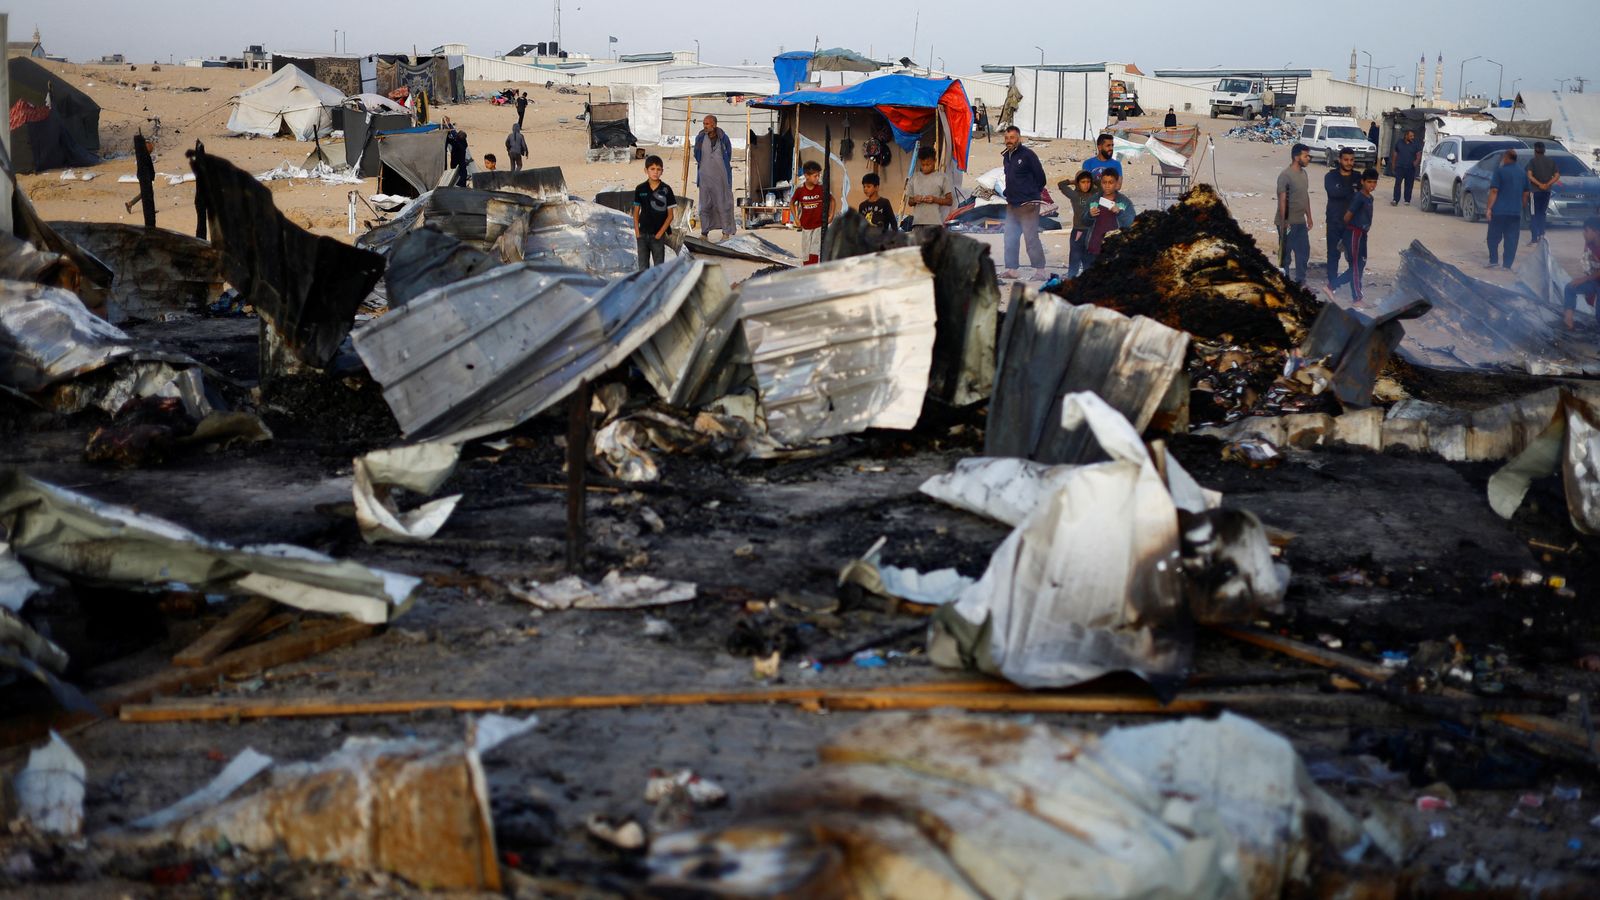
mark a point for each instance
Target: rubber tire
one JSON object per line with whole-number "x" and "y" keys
{"x": 1249, "y": 114}
{"x": 1469, "y": 208}
{"x": 1455, "y": 198}
{"x": 1425, "y": 203}
{"x": 1213, "y": 112}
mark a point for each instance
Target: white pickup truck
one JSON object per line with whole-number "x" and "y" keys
{"x": 1255, "y": 95}
{"x": 1327, "y": 135}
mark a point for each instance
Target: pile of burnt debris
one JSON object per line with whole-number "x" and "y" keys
{"x": 1107, "y": 452}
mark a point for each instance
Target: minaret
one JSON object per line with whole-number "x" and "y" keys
{"x": 1354, "y": 75}
{"x": 1422, "y": 74}
{"x": 1438, "y": 81}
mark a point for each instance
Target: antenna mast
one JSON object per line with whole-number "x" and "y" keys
{"x": 555, "y": 25}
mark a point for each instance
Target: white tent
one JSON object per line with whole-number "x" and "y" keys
{"x": 656, "y": 112}
{"x": 374, "y": 103}
{"x": 1059, "y": 101}
{"x": 1574, "y": 118}
{"x": 286, "y": 102}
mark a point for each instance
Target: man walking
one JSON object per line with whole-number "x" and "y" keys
{"x": 1542, "y": 176}
{"x": 1294, "y": 212}
{"x": 1341, "y": 185}
{"x": 713, "y": 159}
{"x": 1403, "y": 163}
{"x": 457, "y": 144}
{"x": 1024, "y": 192}
{"x": 516, "y": 147}
{"x": 522, "y": 110}
{"x": 1508, "y": 193}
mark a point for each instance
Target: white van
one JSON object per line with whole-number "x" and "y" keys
{"x": 1327, "y": 135}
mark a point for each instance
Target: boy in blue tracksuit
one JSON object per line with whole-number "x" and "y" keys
{"x": 1358, "y": 222}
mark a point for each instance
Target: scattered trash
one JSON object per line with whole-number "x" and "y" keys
{"x": 615, "y": 591}
{"x": 702, "y": 791}
{"x": 1570, "y": 444}
{"x": 419, "y": 468}
{"x": 931, "y": 588}
{"x": 627, "y": 835}
{"x": 1267, "y": 131}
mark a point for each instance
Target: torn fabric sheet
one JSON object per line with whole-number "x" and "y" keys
{"x": 421, "y": 469}
{"x": 16, "y": 585}
{"x": 841, "y": 347}
{"x": 50, "y": 788}
{"x": 934, "y": 588}
{"x": 247, "y": 765}
{"x": 102, "y": 542}
{"x": 615, "y": 591}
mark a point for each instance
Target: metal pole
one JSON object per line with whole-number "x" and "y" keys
{"x": 577, "y": 476}
{"x": 5, "y": 133}
{"x": 1462, "y": 73}
{"x": 1499, "y": 86}
{"x": 688, "y": 122}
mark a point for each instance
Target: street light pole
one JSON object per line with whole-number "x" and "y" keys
{"x": 1461, "y": 91}
{"x": 697, "y": 51}
{"x": 1499, "y": 85}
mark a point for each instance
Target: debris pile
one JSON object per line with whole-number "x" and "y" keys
{"x": 1268, "y": 131}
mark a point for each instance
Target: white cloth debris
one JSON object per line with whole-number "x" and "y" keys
{"x": 615, "y": 591}
{"x": 50, "y": 789}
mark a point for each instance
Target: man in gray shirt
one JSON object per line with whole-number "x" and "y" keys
{"x": 1294, "y": 213}
{"x": 1542, "y": 176}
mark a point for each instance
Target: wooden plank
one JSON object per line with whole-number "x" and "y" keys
{"x": 223, "y": 635}
{"x": 1542, "y": 726}
{"x": 980, "y": 696}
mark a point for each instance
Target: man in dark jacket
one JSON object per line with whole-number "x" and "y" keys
{"x": 1024, "y": 193}
{"x": 522, "y": 107}
{"x": 1171, "y": 121}
{"x": 516, "y": 147}
{"x": 456, "y": 142}
{"x": 1340, "y": 184}
{"x": 1403, "y": 165}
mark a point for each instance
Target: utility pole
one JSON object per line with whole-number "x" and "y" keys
{"x": 1461, "y": 85}
{"x": 555, "y": 25}
{"x": 1499, "y": 86}
{"x": 1581, "y": 82}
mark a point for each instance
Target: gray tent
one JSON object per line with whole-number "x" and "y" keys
{"x": 407, "y": 161}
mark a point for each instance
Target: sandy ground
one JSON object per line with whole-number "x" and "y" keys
{"x": 1417, "y": 531}
{"x": 191, "y": 104}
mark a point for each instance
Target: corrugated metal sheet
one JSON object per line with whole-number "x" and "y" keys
{"x": 1050, "y": 349}
{"x": 486, "y": 353}
{"x": 841, "y": 347}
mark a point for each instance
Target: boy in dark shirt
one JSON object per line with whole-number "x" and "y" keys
{"x": 876, "y": 209}
{"x": 806, "y": 204}
{"x": 654, "y": 205}
{"x": 1358, "y": 222}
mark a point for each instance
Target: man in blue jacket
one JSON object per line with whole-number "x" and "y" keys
{"x": 1341, "y": 184}
{"x": 1024, "y": 195}
{"x": 1508, "y": 194}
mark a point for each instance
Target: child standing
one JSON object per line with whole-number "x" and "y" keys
{"x": 876, "y": 209}
{"x": 927, "y": 193}
{"x": 654, "y": 205}
{"x": 807, "y": 206}
{"x": 1588, "y": 284}
{"x": 1111, "y": 212}
{"x": 1358, "y": 222}
{"x": 1081, "y": 194}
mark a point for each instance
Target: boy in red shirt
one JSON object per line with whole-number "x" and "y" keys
{"x": 807, "y": 205}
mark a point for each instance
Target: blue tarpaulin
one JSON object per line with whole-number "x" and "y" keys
{"x": 791, "y": 69}
{"x": 418, "y": 129}
{"x": 907, "y": 101}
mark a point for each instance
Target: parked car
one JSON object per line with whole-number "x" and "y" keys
{"x": 1327, "y": 135}
{"x": 1575, "y": 197}
{"x": 1443, "y": 168}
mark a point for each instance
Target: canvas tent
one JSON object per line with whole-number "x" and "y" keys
{"x": 411, "y": 161}
{"x": 1574, "y": 119}
{"x": 53, "y": 124}
{"x": 1060, "y": 101}
{"x": 796, "y": 67}
{"x": 286, "y": 102}
{"x": 361, "y": 145}
{"x": 659, "y": 113}
{"x": 911, "y": 111}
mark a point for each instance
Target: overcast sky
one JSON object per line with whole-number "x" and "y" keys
{"x": 1537, "y": 43}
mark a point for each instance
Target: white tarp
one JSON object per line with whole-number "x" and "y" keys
{"x": 287, "y": 101}
{"x": 1061, "y": 104}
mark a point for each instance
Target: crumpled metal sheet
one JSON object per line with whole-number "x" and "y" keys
{"x": 1080, "y": 587}
{"x": 961, "y": 806}
{"x": 841, "y": 347}
{"x": 472, "y": 216}
{"x": 22, "y": 261}
{"x": 1357, "y": 347}
{"x": 1050, "y": 349}
{"x": 416, "y": 808}
{"x": 110, "y": 544}
{"x": 157, "y": 272}
{"x": 744, "y": 245}
{"x": 579, "y": 234}
{"x": 539, "y": 182}
{"x": 1569, "y": 444}
{"x": 501, "y": 347}
{"x": 967, "y": 299}
{"x": 306, "y": 287}
{"x": 426, "y": 258}
{"x": 419, "y": 468}
{"x": 685, "y": 360}
{"x": 1481, "y": 325}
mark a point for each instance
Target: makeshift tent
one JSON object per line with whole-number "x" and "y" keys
{"x": 905, "y": 110}
{"x": 1060, "y": 101}
{"x": 795, "y": 67}
{"x": 441, "y": 78}
{"x": 373, "y": 103}
{"x": 411, "y": 160}
{"x": 361, "y": 130}
{"x": 53, "y": 124}
{"x": 286, "y": 102}
{"x": 657, "y": 113}
{"x": 343, "y": 71}
{"x": 1575, "y": 119}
